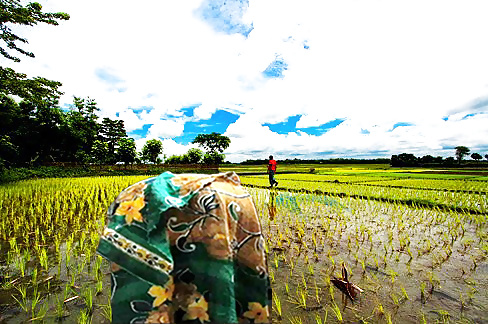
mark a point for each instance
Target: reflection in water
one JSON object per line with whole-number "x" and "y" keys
{"x": 272, "y": 204}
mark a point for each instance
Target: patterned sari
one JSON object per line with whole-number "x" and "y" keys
{"x": 186, "y": 248}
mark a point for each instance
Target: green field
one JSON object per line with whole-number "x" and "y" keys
{"x": 414, "y": 240}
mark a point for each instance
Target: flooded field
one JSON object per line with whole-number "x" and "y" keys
{"x": 413, "y": 263}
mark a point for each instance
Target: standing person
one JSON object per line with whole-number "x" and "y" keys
{"x": 186, "y": 248}
{"x": 272, "y": 171}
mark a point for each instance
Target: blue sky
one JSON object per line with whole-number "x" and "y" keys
{"x": 315, "y": 79}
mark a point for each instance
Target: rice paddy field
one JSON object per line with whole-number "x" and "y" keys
{"x": 413, "y": 246}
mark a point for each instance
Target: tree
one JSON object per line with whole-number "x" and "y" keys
{"x": 427, "y": 159}
{"x": 8, "y": 151}
{"x": 12, "y": 12}
{"x": 461, "y": 151}
{"x": 213, "y": 158}
{"x": 449, "y": 161}
{"x": 151, "y": 150}
{"x": 126, "y": 151}
{"x": 486, "y": 157}
{"x": 404, "y": 160}
{"x": 35, "y": 89}
{"x": 174, "y": 159}
{"x": 476, "y": 156}
{"x": 213, "y": 142}
{"x": 99, "y": 151}
{"x": 13, "y": 83}
{"x": 111, "y": 132}
{"x": 81, "y": 129}
{"x": 34, "y": 128}
{"x": 194, "y": 155}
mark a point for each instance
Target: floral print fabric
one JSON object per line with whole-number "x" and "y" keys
{"x": 186, "y": 249}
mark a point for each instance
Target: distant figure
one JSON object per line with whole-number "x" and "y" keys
{"x": 186, "y": 248}
{"x": 272, "y": 171}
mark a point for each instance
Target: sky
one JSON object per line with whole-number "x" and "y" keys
{"x": 296, "y": 79}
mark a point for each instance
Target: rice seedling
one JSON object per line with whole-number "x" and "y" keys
{"x": 318, "y": 319}
{"x": 295, "y": 320}
{"x": 277, "y": 304}
{"x": 106, "y": 310}
{"x": 22, "y": 302}
{"x": 391, "y": 243}
{"x": 84, "y": 317}
{"x": 337, "y": 312}
{"x": 40, "y": 314}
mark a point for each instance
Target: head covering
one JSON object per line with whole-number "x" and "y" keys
{"x": 186, "y": 248}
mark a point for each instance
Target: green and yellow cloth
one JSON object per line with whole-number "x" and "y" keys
{"x": 186, "y": 248}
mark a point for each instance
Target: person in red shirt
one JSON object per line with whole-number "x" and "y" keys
{"x": 272, "y": 171}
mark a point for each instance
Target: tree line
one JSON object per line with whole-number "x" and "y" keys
{"x": 34, "y": 130}
{"x": 318, "y": 161}
{"x": 39, "y": 132}
{"x": 410, "y": 160}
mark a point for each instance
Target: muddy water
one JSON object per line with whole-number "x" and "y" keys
{"x": 445, "y": 261}
{"x": 390, "y": 251}
{"x": 63, "y": 281}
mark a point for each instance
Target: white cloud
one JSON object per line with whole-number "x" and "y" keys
{"x": 165, "y": 129}
{"x": 372, "y": 63}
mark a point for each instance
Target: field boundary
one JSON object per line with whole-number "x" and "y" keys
{"x": 361, "y": 183}
{"x": 408, "y": 202}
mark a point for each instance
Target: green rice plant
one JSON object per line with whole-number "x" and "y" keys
{"x": 393, "y": 275}
{"x": 98, "y": 286}
{"x": 277, "y": 303}
{"x": 20, "y": 264}
{"x": 422, "y": 319}
{"x": 318, "y": 319}
{"x": 422, "y": 292}
{"x": 34, "y": 276}
{"x": 404, "y": 294}
{"x": 39, "y": 316}
{"x": 310, "y": 269}
{"x": 304, "y": 282}
{"x": 395, "y": 299}
{"x": 43, "y": 259}
{"x": 80, "y": 266}
{"x": 378, "y": 310}
{"x": 295, "y": 320}
{"x": 85, "y": 317}
{"x": 107, "y": 310}
{"x": 302, "y": 298}
{"x": 443, "y": 316}
{"x": 87, "y": 295}
{"x": 22, "y": 289}
{"x": 363, "y": 266}
{"x": 36, "y": 298}
{"x": 317, "y": 292}
{"x": 59, "y": 310}
{"x": 337, "y": 312}
{"x": 331, "y": 258}
{"x": 68, "y": 252}
{"x": 376, "y": 264}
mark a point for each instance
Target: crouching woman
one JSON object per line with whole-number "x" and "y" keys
{"x": 186, "y": 248}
